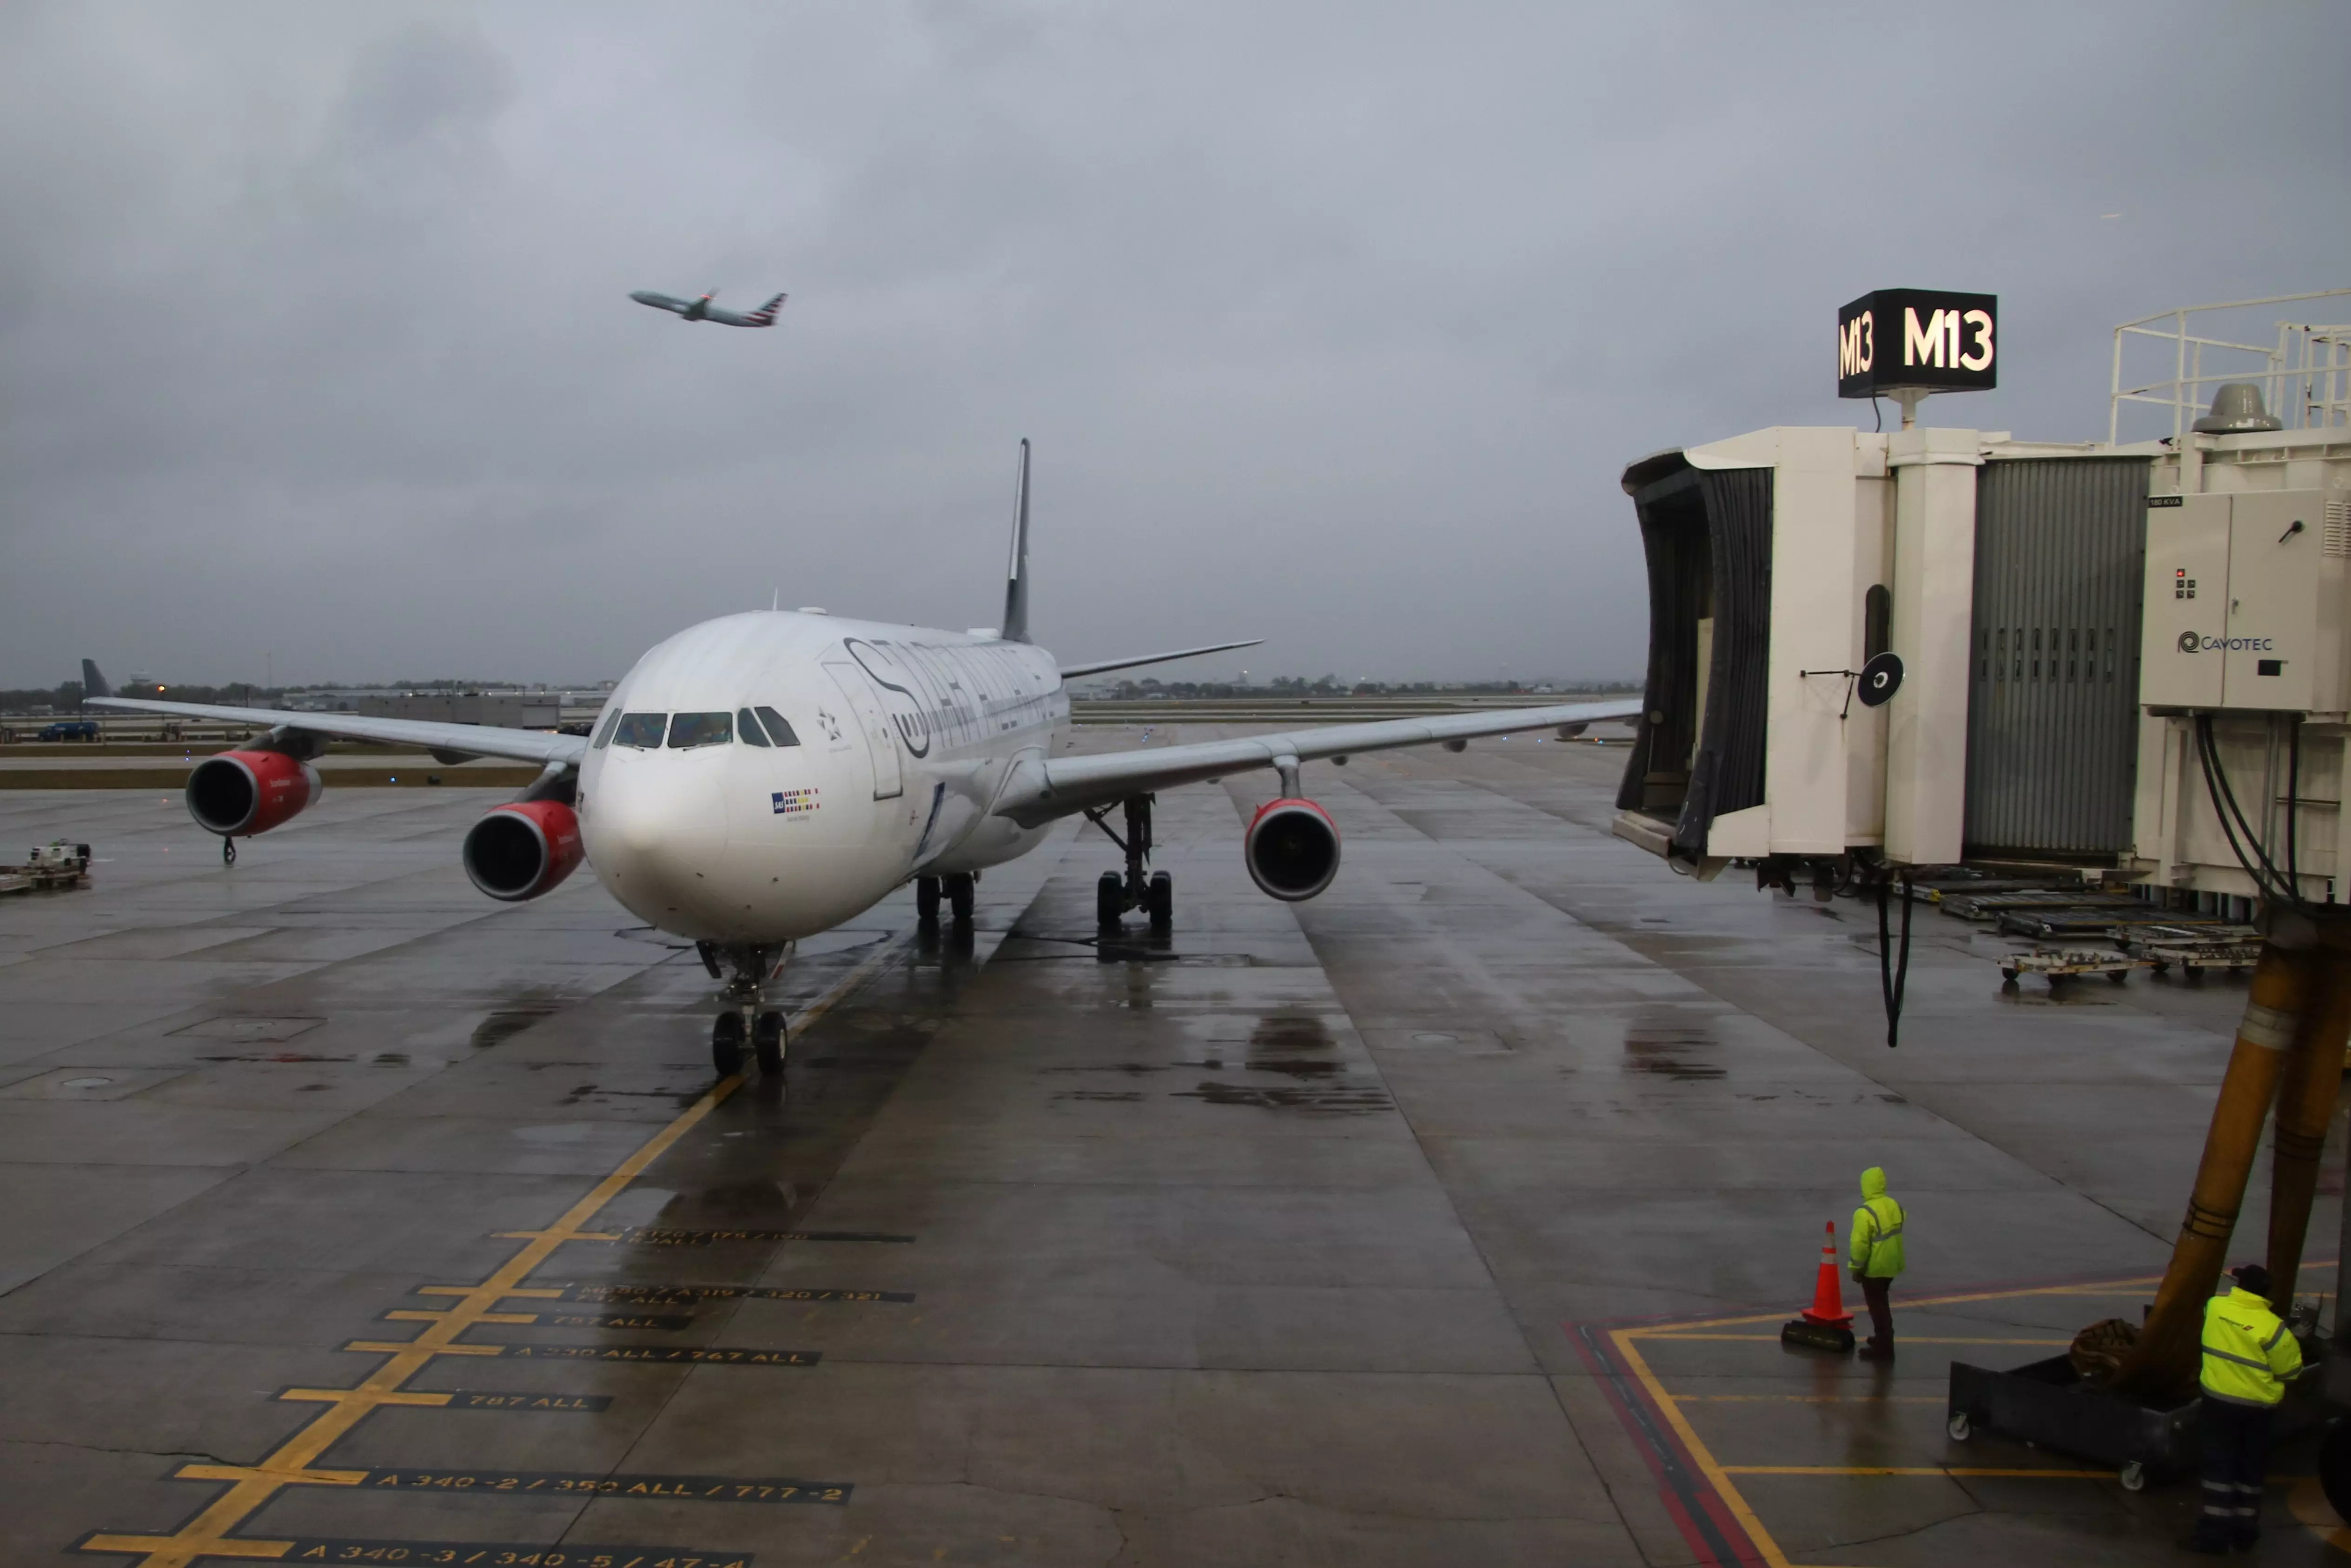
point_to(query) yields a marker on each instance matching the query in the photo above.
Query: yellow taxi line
(207, 1535)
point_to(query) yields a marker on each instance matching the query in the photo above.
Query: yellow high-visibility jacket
(1877, 1249)
(2249, 1358)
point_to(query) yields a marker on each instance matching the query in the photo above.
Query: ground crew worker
(1875, 1259)
(2249, 1358)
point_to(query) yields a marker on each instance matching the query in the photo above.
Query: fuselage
(765, 777)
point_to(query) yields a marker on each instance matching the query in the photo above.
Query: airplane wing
(1039, 791)
(1100, 666)
(475, 739)
(661, 301)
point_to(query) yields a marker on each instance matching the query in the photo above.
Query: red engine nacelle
(237, 794)
(522, 849)
(1292, 849)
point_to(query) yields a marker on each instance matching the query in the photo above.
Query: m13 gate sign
(1917, 339)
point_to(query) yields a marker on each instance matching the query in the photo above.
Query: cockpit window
(604, 731)
(687, 730)
(776, 728)
(641, 730)
(748, 728)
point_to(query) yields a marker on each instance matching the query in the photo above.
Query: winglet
(93, 684)
(1015, 627)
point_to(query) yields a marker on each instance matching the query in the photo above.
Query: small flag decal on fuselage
(791, 802)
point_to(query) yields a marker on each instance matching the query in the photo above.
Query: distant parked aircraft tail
(93, 684)
(1016, 587)
(765, 316)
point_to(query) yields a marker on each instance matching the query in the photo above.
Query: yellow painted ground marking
(2044, 1472)
(422, 1316)
(165, 1544)
(1707, 1464)
(1719, 1475)
(541, 1293)
(207, 1535)
(1814, 1398)
(1774, 1338)
(289, 1477)
(561, 1234)
(374, 1396)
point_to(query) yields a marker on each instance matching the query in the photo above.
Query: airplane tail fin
(93, 684)
(1016, 587)
(765, 316)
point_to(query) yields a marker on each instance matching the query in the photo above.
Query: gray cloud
(1331, 323)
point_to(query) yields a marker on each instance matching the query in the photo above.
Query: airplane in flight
(761, 778)
(702, 310)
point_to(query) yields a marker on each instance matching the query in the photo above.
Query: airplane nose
(656, 832)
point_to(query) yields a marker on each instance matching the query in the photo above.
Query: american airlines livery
(761, 778)
(702, 309)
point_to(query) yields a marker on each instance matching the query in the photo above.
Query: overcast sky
(1332, 323)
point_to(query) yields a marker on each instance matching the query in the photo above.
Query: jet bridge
(2127, 659)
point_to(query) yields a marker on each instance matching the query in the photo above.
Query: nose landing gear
(1153, 892)
(744, 1018)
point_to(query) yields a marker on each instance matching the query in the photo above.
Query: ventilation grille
(2338, 527)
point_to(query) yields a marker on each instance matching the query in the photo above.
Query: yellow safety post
(2165, 1360)
(2313, 1077)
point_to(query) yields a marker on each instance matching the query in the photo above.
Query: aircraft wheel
(926, 900)
(960, 890)
(1159, 901)
(768, 1044)
(1110, 900)
(726, 1043)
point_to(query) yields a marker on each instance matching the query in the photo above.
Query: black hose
(2272, 884)
(2293, 804)
(1893, 979)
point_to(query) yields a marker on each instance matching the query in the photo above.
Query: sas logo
(2197, 643)
(793, 802)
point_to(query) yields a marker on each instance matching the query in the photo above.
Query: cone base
(1805, 1334)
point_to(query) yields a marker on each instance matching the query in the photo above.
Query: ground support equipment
(2058, 963)
(2052, 1406)
(51, 867)
(2195, 949)
(2049, 1403)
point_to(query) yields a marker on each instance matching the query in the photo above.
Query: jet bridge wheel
(961, 887)
(768, 1044)
(726, 1043)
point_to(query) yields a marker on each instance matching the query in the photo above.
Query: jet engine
(522, 849)
(1293, 849)
(239, 793)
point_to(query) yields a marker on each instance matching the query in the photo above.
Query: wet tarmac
(345, 1217)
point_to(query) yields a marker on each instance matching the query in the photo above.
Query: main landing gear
(1153, 892)
(745, 1018)
(959, 886)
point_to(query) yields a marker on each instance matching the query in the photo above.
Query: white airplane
(761, 778)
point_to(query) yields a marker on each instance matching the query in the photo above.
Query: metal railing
(2304, 375)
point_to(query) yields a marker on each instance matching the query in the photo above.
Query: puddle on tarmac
(1672, 1042)
(1295, 1045)
(1332, 1100)
(501, 1027)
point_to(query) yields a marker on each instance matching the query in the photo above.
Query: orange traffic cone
(1825, 1324)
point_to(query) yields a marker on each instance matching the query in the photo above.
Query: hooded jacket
(2249, 1358)
(1877, 1252)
